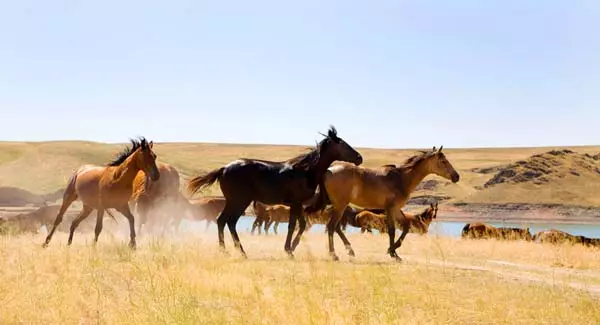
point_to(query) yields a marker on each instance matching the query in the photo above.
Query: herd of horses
(480, 230)
(326, 185)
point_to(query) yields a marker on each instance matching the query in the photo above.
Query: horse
(387, 187)
(110, 186)
(156, 199)
(206, 208)
(512, 233)
(419, 222)
(270, 214)
(261, 217)
(291, 182)
(478, 230)
(555, 236)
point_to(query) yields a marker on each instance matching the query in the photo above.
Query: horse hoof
(44, 245)
(334, 257)
(351, 253)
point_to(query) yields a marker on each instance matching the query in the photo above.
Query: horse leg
(67, 201)
(333, 223)
(234, 216)
(290, 233)
(405, 229)
(297, 210)
(99, 220)
(84, 214)
(389, 221)
(127, 213)
(338, 230)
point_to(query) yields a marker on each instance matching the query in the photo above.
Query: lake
(442, 228)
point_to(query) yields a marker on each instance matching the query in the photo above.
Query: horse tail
(197, 183)
(319, 201)
(465, 229)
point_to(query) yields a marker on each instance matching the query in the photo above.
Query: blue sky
(395, 74)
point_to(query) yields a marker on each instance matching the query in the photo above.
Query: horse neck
(413, 176)
(126, 172)
(321, 167)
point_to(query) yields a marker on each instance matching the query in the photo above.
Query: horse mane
(309, 160)
(415, 160)
(128, 151)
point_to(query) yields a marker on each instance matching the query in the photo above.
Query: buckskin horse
(387, 187)
(289, 182)
(110, 186)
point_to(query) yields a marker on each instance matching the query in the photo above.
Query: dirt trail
(527, 273)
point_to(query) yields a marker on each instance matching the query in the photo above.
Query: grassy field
(45, 167)
(186, 280)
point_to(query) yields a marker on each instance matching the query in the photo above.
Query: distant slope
(45, 167)
(552, 177)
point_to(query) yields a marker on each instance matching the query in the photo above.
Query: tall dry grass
(186, 280)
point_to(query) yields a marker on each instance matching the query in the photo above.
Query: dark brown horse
(290, 182)
(388, 188)
(105, 187)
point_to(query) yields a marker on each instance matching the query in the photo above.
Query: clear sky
(395, 74)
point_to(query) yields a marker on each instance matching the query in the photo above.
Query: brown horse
(156, 202)
(260, 211)
(419, 222)
(478, 230)
(555, 236)
(290, 182)
(104, 187)
(206, 208)
(388, 188)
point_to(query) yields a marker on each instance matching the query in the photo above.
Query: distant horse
(260, 210)
(388, 188)
(276, 213)
(478, 230)
(554, 236)
(290, 182)
(111, 186)
(206, 209)
(156, 202)
(512, 233)
(419, 222)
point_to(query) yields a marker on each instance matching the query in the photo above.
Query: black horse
(291, 182)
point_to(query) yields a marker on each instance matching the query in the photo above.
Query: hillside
(45, 167)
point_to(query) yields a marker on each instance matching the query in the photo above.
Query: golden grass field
(185, 279)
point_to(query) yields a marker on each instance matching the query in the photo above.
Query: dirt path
(588, 281)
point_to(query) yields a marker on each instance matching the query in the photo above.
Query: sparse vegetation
(186, 280)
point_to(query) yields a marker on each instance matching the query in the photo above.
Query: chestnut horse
(156, 202)
(291, 182)
(206, 208)
(481, 230)
(110, 186)
(555, 236)
(388, 188)
(419, 222)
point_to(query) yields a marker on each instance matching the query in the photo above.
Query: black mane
(309, 160)
(128, 151)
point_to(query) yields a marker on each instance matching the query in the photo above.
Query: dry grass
(45, 167)
(185, 280)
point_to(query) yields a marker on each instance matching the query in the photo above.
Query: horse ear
(440, 149)
(332, 133)
(150, 144)
(433, 148)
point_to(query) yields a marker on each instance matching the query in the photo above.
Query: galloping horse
(386, 188)
(156, 201)
(290, 182)
(419, 223)
(104, 187)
